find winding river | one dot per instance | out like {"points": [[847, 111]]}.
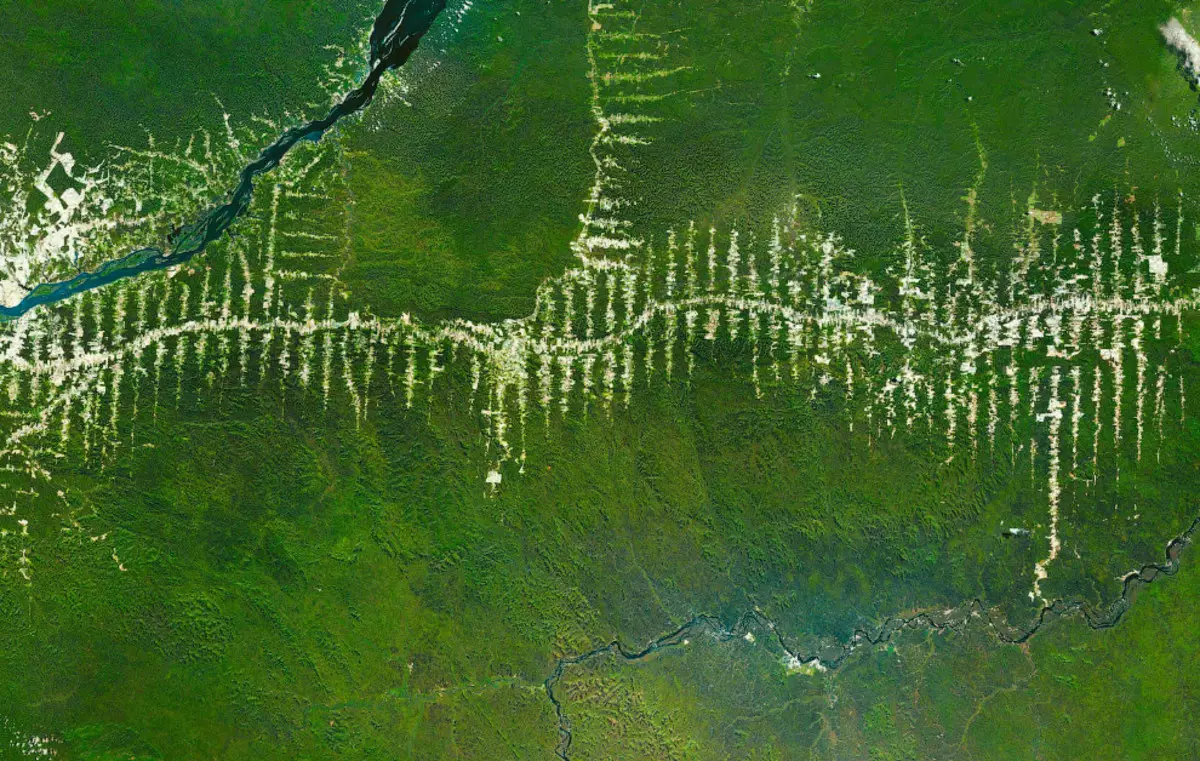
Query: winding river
{"points": [[835, 654]]}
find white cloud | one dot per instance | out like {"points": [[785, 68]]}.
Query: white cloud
{"points": [[1183, 43]]}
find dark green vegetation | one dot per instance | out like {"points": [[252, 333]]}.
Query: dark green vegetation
{"points": [[113, 71], [468, 188], [299, 587], [301, 584], [476, 186]]}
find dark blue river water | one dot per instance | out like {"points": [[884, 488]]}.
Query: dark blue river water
{"points": [[397, 31]]}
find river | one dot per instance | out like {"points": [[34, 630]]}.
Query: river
{"points": [[396, 33]]}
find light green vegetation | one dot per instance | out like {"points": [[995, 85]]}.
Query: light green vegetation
{"points": [[275, 541]]}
